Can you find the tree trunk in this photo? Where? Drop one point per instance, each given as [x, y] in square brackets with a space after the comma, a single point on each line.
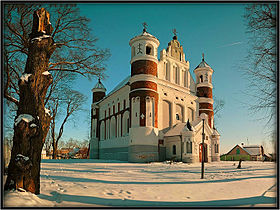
[32, 122]
[54, 149]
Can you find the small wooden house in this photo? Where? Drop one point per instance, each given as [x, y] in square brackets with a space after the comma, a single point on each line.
[247, 152]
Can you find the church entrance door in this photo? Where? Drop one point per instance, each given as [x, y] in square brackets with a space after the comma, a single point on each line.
[205, 153]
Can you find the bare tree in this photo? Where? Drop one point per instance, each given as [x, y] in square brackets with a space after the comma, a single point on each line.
[48, 144]
[74, 52]
[260, 64]
[218, 107]
[77, 53]
[73, 101]
[32, 122]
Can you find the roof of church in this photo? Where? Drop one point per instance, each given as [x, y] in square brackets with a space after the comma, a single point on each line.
[175, 130]
[202, 65]
[215, 132]
[120, 85]
[145, 33]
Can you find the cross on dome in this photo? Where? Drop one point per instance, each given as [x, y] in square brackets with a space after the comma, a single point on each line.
[175, 34]
[202, 56]
[145, 26]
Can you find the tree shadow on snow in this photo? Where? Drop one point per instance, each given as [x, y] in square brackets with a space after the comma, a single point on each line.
[208, 172]
[250, 201]
[75, 170]
[74, 179]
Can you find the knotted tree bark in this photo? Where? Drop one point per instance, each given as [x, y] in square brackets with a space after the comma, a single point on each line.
[33, 120]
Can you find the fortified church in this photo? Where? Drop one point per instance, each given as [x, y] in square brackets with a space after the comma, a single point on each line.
[156, 113]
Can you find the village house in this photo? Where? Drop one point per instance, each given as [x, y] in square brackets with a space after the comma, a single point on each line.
[246, 152]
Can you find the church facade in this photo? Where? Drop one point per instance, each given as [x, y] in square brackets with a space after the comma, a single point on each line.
[156, 113]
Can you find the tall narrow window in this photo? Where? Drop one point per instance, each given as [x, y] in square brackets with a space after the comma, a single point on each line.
[167, 71]
[189, 147]
[177, 75]
[148, 50]
[185, 78]
[174, 150]
[201, 78]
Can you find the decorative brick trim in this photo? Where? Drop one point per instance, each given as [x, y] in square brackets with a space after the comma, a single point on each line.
[205, 106]
[144, 67]
[143, 84]
[204, 92]
[143, 94]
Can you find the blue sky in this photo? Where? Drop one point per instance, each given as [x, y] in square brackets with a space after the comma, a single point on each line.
[218, 30]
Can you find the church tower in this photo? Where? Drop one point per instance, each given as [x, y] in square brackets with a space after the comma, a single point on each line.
[98, 93]
[143, 98]
[203, 73]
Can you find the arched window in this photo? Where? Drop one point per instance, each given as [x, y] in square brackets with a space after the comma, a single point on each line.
[166, 114]
[113, 127]
[149, 50]
[201, 78]
[102, 130]
[167, 71]
[174, 150]
[191, 114]
[185, 78]
[177, 75]
[125, 123]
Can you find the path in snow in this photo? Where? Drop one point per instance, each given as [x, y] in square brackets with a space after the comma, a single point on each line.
[113, 183]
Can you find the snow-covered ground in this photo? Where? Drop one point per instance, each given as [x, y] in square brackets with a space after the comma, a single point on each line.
[85, 183]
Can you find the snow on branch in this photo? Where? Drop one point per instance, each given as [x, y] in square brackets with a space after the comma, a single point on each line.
[25, 77]
[33, 125]
[39, 38]
[26, 117]
[47, 111]
[20, 156]
[46, 73]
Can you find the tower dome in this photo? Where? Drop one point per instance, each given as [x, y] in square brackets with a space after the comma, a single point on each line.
[98, 92]
[144, 46]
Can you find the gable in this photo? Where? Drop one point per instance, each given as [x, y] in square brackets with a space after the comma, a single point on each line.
[234, 151]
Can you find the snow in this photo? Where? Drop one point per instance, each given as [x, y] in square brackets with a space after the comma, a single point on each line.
[47, 111]
[39, 38]
[33, 125]
[26, 117]
[46, 73]
[25, 77]
[25, 199]
[21, 156]
[103, 183]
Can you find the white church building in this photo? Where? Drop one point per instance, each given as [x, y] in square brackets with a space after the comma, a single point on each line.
[155, 113]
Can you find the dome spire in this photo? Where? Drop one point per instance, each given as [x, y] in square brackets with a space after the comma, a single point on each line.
[145, 26]
[175, 34]
[202, 56]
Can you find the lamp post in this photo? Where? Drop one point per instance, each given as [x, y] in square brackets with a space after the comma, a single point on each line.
[203, 116]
